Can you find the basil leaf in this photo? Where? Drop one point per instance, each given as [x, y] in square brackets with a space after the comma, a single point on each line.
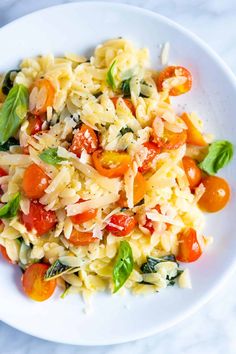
[149, 266]
[66, 291]
[56, 270]
[10, 142]
[50, 156]
[125, 87]
[8, 81]
[10, 209]
[110, 76]
[219, 155]
[125, 130]
[13, 111]
[123, 265]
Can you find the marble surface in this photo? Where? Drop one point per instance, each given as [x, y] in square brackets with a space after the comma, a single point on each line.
[212, 330]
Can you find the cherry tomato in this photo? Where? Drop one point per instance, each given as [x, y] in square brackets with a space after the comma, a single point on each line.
[111, 163]
[39, 219]
[194, 136]
[192, 171]
[35, 124]
[170, 140]
[42, 96]
[189, 248]
[34, 284]
[153, 151]
[85, 216]
[121, 225]
[128, 103]
[149, 223]
[35, 181]
[171, 72]
[84, 140]
[217, 194]
[3, 172]
[138, 191]
[5, 255]
[78, 238]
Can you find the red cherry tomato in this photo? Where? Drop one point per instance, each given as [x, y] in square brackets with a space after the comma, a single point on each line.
[189, 248]
[35, 181]
[34, 284]
[84, 140]
[121, 225]
[78, 238]
[85, 216]
[39, 219]
[171, 72]
[153, 151]
[149, 224]
[35, 124]
[5, 255]
[192, 171]
[3, 172]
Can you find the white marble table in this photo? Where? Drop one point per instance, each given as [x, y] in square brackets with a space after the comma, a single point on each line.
[212, 330]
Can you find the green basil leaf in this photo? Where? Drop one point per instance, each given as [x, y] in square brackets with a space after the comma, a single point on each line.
[125, 87]
[10, 142]
[219, 155]
[10, 209]
[66, 291]
[8, 81]
[13, 111]
[56, 270]
[125, 130]
[123, 265]
[50, 156]
[110, 76]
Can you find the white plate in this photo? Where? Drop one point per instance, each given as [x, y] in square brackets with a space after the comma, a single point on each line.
[79, 27]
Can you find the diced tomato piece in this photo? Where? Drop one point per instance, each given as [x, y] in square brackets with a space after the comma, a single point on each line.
[3, 172]
[3, 251]
[84, 140]
[194, 136]
[78, 238]
[35, 124]
[121, 225]
[139, 190]
[153, 151]
[85, 216]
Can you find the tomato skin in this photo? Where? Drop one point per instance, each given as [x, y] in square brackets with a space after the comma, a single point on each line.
[216, 196]
[48, 88]
[3, 172]
[192, 171]
[194, 136]
[34, 285]
[35, 124]
[35, 181]
[78, 238]
[119, 162]
[85, 216]
[189, 248]
[38, 218]
[170, 141]
[169, 72]
[127, 223]
[85, 139]
[3, 251]
[140, 186]
[153, 150]
[128, 103]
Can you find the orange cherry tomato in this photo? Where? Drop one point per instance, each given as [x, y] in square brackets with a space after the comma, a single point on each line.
[192, 171]
[138, 191]
[78, 238]
[35, 124]
[84, 140]
[189, 248]
[3, 172]
[5, 255]
[194, 136]
[85, 216]
[216, 195]
[128, 103]
[121, 225]
[153, 151]
[35, 181]
[39, 219]
[42, 96]
[171, 141]
[111, 164]
[171, 72]
[34, 284]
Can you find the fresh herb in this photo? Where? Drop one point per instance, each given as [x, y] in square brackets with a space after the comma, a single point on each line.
[10, 209]
[56, 270]
[50, 156]
[125, 87]
[10, 142]
[219, 155]
[149, 266]
[13, 111]
[66, 291]
[125, 130]
[123, 266]
[110, 76]
[8, 81]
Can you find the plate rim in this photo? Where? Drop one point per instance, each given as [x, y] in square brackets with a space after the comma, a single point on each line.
[232, 77]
